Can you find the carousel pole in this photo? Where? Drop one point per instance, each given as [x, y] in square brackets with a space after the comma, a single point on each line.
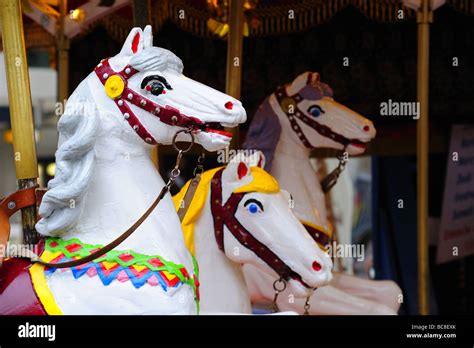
[424, 18]
[21, 114]
[141, 13]
[141, 18]
[234, 57]
[63, 55]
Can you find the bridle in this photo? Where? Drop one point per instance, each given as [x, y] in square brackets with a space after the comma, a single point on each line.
[289, 105]
[294, 113]
[116, 87]
[223, 214]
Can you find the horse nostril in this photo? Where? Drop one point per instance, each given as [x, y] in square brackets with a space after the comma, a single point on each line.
[366, 128]
[229, 105]
[316, 266]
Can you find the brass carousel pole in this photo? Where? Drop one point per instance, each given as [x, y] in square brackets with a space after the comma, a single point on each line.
[21, 114]
[234, 57]
[63, 55]
[424, 18]
[141, 18]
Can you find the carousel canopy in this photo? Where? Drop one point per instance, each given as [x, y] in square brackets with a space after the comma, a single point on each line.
[204, 18]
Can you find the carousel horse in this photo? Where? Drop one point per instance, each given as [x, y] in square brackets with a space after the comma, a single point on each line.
[105, 180]
[239, 215]
[293, 120]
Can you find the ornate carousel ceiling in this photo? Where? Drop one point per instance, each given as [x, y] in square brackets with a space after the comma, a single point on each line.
[204, 18]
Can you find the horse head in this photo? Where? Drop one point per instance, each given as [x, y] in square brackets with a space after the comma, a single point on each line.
[131, 101]
[320, 121]
[148, 87]
[261, 228]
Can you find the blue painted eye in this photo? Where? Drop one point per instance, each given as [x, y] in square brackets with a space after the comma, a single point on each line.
[253, 208]
[315, 110]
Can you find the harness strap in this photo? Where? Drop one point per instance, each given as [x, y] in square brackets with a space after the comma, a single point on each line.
[224, 215]
[286, 101]
[320, 236]
[27, 197]
[9, 206]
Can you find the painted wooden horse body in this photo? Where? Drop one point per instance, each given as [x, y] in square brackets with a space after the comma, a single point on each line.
[295, 119]
[105, 180]
[240, 216]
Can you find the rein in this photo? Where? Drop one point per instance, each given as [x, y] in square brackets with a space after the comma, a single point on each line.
[289, 105]
[23, 252]
[224, 215]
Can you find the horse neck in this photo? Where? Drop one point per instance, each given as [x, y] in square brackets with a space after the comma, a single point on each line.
[223, 285]
[124, 184]
[294, 172]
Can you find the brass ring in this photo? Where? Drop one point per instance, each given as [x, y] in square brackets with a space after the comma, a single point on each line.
[279, 281]
[187, 131]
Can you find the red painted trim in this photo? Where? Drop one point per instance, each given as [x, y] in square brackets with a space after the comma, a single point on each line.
[135, 42]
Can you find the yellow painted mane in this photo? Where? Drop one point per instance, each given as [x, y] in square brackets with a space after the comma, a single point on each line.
[262, 182]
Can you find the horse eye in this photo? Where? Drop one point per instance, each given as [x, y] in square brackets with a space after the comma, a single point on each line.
[253, 208]
[315, 110]
[157, 88]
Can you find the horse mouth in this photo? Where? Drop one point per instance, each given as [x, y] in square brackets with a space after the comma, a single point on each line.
[215, 127]
[358, 143]
[300, 280]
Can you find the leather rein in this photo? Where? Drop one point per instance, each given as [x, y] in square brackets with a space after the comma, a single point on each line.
[116, 87]
[223, 214]
[27, 197]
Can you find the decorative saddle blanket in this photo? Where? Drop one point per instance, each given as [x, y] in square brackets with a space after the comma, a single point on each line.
[122, 266]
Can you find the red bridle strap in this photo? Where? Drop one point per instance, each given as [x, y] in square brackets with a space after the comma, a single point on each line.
[224, 215]
[320, 236]
[167, 114]
[285, 101]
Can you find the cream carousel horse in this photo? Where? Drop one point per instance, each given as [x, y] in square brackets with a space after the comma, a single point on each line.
[105, 180]
[240, 216]
[290, 122]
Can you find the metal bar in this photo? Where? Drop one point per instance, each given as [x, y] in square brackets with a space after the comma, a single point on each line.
[234, 57]
[141, 13]
[424, 18]
[63, 55]
[21, 114]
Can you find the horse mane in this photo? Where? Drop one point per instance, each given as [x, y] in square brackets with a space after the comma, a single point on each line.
[264, 132]
[62, 204]
[262, 182]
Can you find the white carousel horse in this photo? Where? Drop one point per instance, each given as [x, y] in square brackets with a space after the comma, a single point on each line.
[105, 180]
[290, 122]
[240, 216]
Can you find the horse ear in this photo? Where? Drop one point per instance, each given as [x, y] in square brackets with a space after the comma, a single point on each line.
[306, 78]
[256, 159]
[147, 37]
[313, 78]
[134, 42]
[261, 159]
[236, 170]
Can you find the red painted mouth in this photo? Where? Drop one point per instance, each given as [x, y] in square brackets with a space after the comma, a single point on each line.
[359, 144]
[215, 127]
